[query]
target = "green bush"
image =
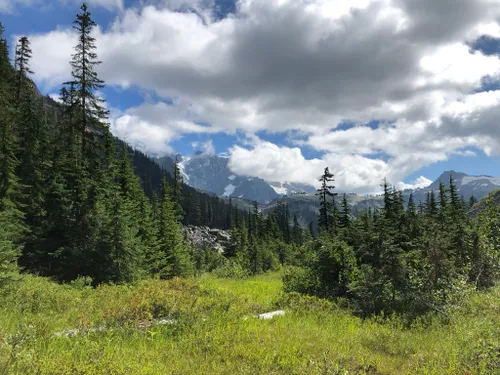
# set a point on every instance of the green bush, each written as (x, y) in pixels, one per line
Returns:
(231, 269)
(300, 280)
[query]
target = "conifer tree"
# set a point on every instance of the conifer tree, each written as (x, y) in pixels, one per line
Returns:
(177, 190)
(23, 55)
(175, 259)
(298, 236)
(472, 201)
(325, 206)
(11, 214)
(345, 214)
(85, 80)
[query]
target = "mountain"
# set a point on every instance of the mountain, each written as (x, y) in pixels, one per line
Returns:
(211, 173)
(306, 206)
(467, 185)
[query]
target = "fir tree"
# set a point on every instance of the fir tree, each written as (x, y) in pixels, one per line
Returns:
(85, 80)
(298, 236)
(177, 190)
(174, 252)
(11, 214)
(23, 55)
(325, 206)
(345, 214)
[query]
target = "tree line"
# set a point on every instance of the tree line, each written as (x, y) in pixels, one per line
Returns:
(74, 201)
(406, 257)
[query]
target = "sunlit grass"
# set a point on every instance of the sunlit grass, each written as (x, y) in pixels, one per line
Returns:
(217, 332)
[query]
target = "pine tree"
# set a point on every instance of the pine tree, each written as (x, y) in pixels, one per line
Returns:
(86, 82)
(457, 217)
(23, 55)
(345, 214)
(431, 206)
(298, 236)
(325, 206)
(175, 256)
(472, 201)
(11, 214)
(177, 190)
(485, 254)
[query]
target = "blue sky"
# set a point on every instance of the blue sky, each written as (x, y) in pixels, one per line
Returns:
(285, 88)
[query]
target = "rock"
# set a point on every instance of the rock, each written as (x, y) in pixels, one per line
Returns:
(271, 315)
(166, 321)
(208, 238)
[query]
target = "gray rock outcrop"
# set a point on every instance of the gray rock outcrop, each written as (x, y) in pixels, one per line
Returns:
(208, 238)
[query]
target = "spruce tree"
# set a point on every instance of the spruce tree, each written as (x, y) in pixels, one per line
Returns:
(23, 55)
(11, 210)
(177, 190)
(345, 214)
(325, 206)
(89, 158)
(86, 82)
(298, 236)
(175, 259)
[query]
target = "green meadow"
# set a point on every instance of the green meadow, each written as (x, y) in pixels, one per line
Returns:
(210, 326)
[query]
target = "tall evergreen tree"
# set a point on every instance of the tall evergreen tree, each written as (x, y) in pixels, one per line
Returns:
(345, 213)
(23, 55)
(11, 214)
(177, 190)
(325, 206)
(175, 260)
(86, 81)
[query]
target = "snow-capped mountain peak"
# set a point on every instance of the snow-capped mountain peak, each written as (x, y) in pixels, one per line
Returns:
(210, 172)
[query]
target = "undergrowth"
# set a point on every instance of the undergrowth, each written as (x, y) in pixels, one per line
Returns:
(214, 330)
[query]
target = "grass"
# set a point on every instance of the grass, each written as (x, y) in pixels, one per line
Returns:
(217, 332)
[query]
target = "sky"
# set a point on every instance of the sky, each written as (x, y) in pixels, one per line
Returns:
(400, 89)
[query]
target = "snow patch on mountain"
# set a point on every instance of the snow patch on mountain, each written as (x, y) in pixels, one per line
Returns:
(279, 188)
(229, 190)
(232, 177)
(480, 179)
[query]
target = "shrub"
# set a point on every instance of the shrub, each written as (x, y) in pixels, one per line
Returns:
(300, 280)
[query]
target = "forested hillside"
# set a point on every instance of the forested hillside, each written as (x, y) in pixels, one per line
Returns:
(96, 276)
(74, 200)
(77, 202)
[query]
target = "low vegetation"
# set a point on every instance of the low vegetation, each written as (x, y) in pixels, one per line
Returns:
(215, 331)
(411, 288)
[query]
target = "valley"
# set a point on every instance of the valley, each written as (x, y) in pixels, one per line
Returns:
(216, 331)
(119, 255)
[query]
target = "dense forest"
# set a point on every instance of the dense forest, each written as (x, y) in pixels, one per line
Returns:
(75, 202)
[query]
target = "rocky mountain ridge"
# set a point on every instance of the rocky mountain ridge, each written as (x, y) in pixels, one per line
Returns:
(211, 173)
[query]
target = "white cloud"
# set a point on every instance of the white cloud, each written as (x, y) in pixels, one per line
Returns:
(304, 66)
(206, 147)
(9, 6)
(273, 163)
(143, 135)
(421, 182)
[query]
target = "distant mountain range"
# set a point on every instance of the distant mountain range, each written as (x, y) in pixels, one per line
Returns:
(211, 173)
(306, 207)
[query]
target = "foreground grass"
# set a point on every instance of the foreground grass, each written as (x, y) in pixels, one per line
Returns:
(217, 332)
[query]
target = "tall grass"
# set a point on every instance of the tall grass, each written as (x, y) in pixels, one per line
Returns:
(217, 332)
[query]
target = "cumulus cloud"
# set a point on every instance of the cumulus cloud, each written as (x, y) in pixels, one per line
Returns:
(308, 66)
(206, 147)
(9, 6)
(419, 183)
(353, 173)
